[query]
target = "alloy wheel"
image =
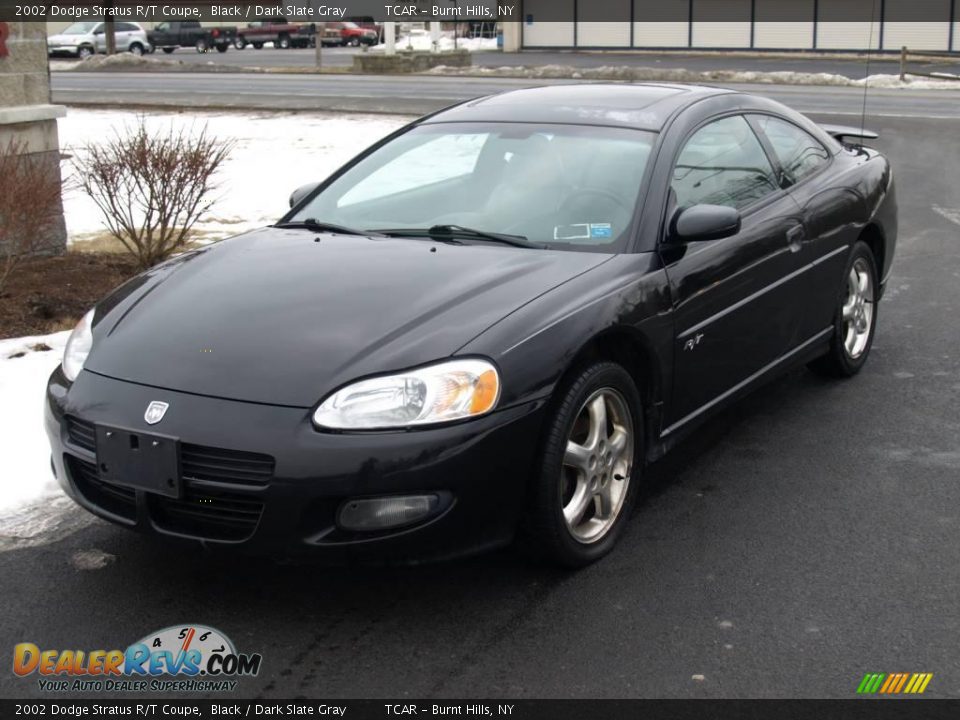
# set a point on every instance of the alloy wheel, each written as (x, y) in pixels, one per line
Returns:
(597, 466)
(857, 311)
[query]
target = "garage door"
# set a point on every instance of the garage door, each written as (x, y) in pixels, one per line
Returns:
(603, 23)
(837, 31)
(783, 24)
(660, 24)
(538, 32)
(721, 23)
(918, 24)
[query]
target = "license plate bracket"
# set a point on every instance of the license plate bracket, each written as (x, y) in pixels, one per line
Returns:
(135, 459)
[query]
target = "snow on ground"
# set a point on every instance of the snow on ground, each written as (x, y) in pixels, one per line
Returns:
(33, 509)
(274, 154)
(421, 40)
(24, 369)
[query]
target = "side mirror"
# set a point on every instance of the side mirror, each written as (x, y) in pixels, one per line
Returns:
(704, 222)
(301, 192)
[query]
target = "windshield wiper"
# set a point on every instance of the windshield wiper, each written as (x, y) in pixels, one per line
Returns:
(316, 226)
(443, 232)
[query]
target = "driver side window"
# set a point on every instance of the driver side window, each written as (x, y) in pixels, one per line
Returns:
(723, 163)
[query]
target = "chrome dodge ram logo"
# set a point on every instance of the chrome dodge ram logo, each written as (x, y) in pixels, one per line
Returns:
(155, 412)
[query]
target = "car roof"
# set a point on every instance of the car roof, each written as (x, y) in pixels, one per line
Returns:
(644, 106)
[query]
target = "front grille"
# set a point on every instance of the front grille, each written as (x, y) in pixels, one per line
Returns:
(118, 500)
(230, 467)
(211, 514)
(235, 467)
(82, 434)
(206, 510)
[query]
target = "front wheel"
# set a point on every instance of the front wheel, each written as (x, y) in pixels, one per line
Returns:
(282, 43)
(201, 45)
(222, 47)
(257, 45)
(84, 52)
(355, 42)
(168, 50)
(855, 318)
(136, 49)
(590, 465)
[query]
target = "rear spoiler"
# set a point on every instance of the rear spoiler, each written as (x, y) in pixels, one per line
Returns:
(839, 132)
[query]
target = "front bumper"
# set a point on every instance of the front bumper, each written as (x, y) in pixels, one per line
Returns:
(260, 478)
(62, 49)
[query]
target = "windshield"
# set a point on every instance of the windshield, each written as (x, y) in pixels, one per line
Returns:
(349, 24)
(564, 186)
(81, 28)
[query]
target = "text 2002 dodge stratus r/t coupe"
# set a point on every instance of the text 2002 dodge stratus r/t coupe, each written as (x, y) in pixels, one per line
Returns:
(484, 326)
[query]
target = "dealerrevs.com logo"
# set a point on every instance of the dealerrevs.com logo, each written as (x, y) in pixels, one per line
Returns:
(180, 658)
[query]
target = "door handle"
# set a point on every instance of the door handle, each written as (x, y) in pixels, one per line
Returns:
(795, 236)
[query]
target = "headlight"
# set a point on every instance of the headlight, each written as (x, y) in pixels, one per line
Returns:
(78, 347)
(439, 393)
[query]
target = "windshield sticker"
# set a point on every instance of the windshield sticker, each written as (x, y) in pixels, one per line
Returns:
(601, 230)
(583, 231)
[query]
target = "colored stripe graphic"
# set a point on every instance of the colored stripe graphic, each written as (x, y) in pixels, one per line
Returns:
(894, 683)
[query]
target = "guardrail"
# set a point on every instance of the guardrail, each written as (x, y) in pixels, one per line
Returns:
(906, 54)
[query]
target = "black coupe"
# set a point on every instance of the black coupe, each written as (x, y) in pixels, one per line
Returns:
(484, 326)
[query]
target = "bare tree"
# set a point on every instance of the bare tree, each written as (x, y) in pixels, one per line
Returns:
(30, 207)
(151, 187)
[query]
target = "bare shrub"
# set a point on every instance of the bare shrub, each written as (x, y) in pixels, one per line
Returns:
(151, 187)
(30, 207)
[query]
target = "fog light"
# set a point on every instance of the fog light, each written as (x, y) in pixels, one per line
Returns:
(368, 514)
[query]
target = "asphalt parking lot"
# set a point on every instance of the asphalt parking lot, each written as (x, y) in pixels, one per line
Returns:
(799, 540)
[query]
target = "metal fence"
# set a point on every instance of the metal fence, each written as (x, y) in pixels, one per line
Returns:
(929, 58)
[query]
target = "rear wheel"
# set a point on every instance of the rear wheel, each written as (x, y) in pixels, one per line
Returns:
(222, 47)
(257, 45)
(355, 41)
(283, 42)
(168, 50)
(136, 49)
(855, 318)
(201, 45)
(239, 43)
(84, 51)
(589, 472)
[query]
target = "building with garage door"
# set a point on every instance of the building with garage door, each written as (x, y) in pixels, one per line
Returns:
(826, 25)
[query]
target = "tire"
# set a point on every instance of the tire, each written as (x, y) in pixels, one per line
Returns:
(136, 49)
(855, 317)
(355, 42)
(201, 45)
(84, 51)
(283, 42)
(168, 50)
(561, 485)
(257, 45)
(239, 43)
(222, 47)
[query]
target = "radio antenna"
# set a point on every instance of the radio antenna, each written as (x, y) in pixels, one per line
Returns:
(866, 78)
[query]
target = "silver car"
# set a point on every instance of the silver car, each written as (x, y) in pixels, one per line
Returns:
(83, 39)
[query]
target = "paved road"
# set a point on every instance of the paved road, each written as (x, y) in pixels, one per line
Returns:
(852, 66)
(419, 94)
(801, 539)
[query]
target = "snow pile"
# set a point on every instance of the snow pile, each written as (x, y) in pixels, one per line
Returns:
(122, 61)
(275, 153)
(421, 41)
(25, 365)
(626, 73)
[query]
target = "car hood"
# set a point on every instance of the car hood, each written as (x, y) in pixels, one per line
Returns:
(65, 39)
(286, 316)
